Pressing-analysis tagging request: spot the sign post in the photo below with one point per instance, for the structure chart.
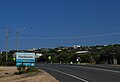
(24, 59)
(49, 57)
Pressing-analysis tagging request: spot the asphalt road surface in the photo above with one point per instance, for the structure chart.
(80, 73)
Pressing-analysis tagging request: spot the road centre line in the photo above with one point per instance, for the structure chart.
(67, 74)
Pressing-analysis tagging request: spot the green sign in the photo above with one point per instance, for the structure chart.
(49, 57)
(14, 59)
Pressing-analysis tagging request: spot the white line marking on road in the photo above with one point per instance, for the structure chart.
(67, 74)
(97, 69)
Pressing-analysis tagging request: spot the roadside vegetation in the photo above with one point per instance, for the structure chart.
(99, 54)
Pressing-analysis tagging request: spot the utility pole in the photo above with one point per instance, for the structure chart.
(17, 37)
(17, 41)
(6, 44)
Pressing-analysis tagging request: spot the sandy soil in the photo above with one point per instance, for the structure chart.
(7, 75)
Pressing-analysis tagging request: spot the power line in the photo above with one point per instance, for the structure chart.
(89, 36)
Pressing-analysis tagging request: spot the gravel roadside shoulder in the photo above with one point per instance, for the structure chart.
(7, 75)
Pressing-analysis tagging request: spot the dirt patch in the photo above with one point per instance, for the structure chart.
(7, 75)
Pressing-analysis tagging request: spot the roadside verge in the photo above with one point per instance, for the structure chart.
(7, 75)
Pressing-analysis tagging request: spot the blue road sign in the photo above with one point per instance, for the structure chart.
(26, 59)
(25, 64)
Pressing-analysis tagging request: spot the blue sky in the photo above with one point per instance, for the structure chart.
(60, 22)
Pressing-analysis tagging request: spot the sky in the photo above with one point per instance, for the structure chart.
(53, 23)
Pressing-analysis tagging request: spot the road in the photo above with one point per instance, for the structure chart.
(80, 73)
